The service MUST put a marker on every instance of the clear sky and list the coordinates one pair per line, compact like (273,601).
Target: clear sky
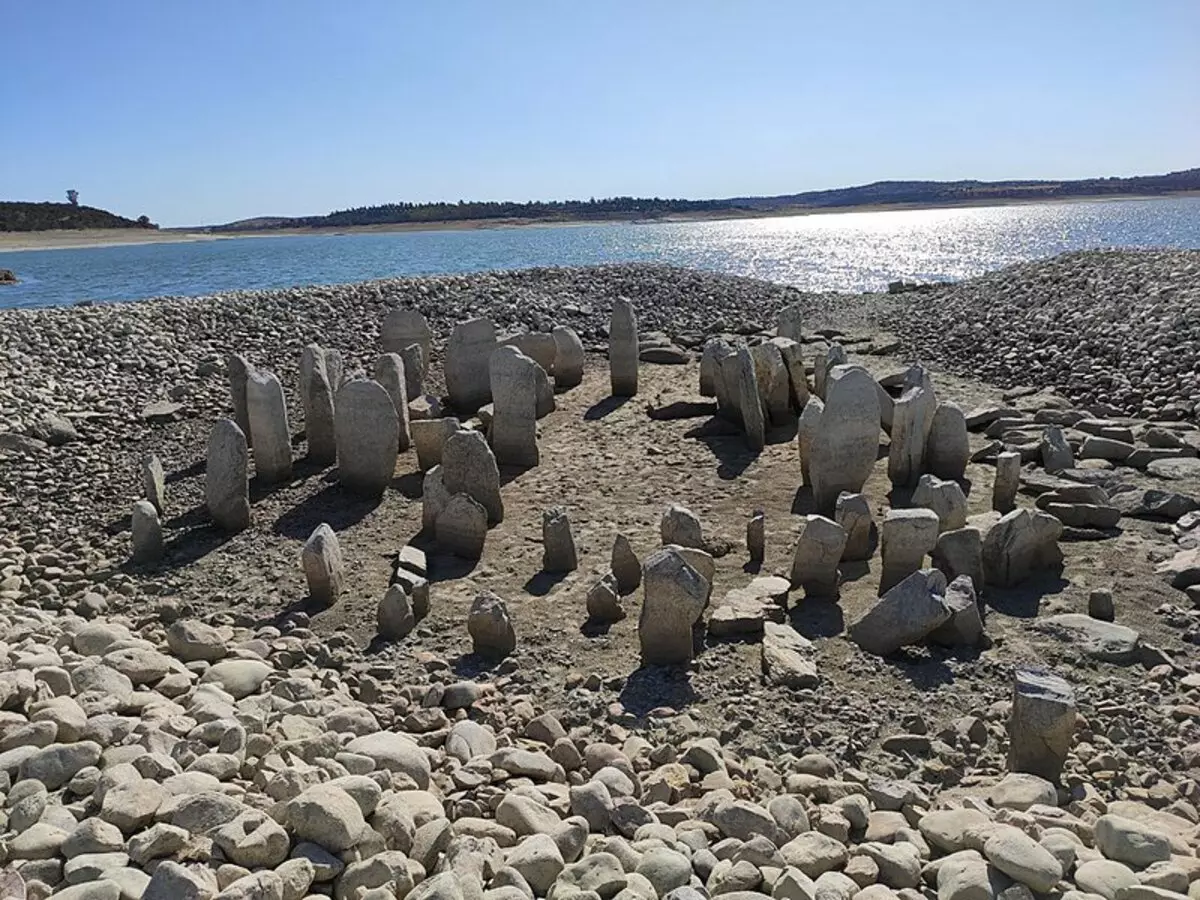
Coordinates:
(209,111)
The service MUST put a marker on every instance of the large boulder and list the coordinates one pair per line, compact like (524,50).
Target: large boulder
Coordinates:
(1021,543)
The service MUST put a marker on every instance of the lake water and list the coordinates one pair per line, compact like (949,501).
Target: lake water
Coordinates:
(843,251)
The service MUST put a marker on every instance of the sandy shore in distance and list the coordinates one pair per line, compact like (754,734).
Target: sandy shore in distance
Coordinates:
(104,237)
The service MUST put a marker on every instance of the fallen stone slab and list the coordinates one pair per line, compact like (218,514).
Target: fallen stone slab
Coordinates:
(1085,515)
(1182,570)
(788,658)
(1105,641)
(906,614)
(1175,469)
(1153,504)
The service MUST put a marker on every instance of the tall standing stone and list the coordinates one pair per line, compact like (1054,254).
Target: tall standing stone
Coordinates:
(368,434)
(154,481)
(434,498)
(788,323)
(568,357)
(774,384)
(906,537)
(415,366)
(949,446)
(237,370)
(729,403)
(558,543)
(749,402)
(514,402)
(853,513)
(404,327)
(623,349)
(272,439)
(316,395)
(226,486)
(146,533)
(467,364)
(1041,725)
(391,375)
(912,420)
(675,597)
(846,444)
(321,560)
(807,429)
(1007,483)
(818,552)
(715,349)
(469,467)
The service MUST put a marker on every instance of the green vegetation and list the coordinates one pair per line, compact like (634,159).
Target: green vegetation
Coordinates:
(20,216)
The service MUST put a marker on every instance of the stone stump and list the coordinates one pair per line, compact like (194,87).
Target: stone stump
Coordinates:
(468,467)
(568,358)
(818,551)
(238,370)
(316,396)
(749,401)
(405,328)
(429,437)
(468,355)
(623,349)
(390,374)
(558,543)
(1021,543)
(846,443)
(604,601)
(321,559)
(514,415)
(788,323)
(675,597)
(368,435)
(945,498)
(461,527)
(949,446)
(154,482)
(626,567)
(756,537)
(226,480)
(146,534)
(271,436)
(1007,483)
(679,525)
(1057,454)
(1041,725)
(853,513)
(912,421)
(906,537)
(958,553)
(491,629)
(395,618)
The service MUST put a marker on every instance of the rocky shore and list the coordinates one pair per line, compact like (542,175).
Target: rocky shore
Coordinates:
(198,723)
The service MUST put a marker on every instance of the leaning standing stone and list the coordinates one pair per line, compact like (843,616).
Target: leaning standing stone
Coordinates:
(818,551)
(949,447)
(154,481)
(415,365)
(226,490)
(853,513)
(626,567)
(468,467)
(558,544)
(749,402)
(146,533)
(568,358)
(1008,481)
(404,328)
(390,372)
(675,598)
(321,560)
(906,536)
(846,444)
(514,416)
(490,628)
(238,370)
(1041,725)
(468,353)
(316,394)
(623,349)
(461,527)
(368,433)
(272,438)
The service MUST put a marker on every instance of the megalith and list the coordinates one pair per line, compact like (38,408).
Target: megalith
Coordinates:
(467,364)
(912,420)
(846,442)
(749,401)
(403,327)
(514,408)
(391,374)
(623,349)
(788,323)
(469,467)
(316,399)
(461,527)
(948,449)
(146,534)
(853,513)
(818,551)
(237,370)
(272,439)
(1007,483)
(226,479)
(906,536)
(1041,725)
(368,435)
(675,597)
(558,542)
(429,436)
(321,560)
(568,358)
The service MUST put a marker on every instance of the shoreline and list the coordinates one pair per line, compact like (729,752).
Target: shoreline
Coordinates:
(25,241)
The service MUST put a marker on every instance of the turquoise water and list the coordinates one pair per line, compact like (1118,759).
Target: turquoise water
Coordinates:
(842,251)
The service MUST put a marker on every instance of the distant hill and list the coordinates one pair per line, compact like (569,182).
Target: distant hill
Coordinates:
(20,216)
(880,193)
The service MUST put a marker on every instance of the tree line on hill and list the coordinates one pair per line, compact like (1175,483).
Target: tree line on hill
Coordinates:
(21,216)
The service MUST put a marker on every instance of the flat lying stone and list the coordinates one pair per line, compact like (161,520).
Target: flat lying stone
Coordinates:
(1100,640)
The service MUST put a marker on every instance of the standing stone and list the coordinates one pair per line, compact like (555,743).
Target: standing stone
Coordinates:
(238,370)
(490,628)
(429,436)
(558,544)
(468,467)
(853,514)
(912,420)
(1021,543)
(395,618)
(788,323)
(568,358)
(679,525)
(146,533)
(623,349)
(434,498)
(1041,725)
(818,551)
(749,402)
(404,328)
(154,481)
(715,349)
(226,487)
(272,439)
(774,385)
(793,361)
(807,429)
(675,597)
(718,351)
(514,415)
(368,433)
(626,567)
(945,498)
(958,553)
(727,386)
(820,360)
(887,408)
(1056,452)
(389,373)
(316,396)
(538,346)
(468,355)
(846,444)
(604,601)
(949,445)
(906,536)
(461,527)
(1008,481)
(415,366)
(544,392)
(321,560)
(756,537)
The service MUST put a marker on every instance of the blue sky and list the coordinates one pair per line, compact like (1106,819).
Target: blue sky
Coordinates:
(212,111)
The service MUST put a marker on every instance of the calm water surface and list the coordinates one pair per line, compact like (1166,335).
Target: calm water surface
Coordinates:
(843,251)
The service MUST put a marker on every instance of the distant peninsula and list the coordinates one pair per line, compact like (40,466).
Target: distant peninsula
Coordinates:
(876,195)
